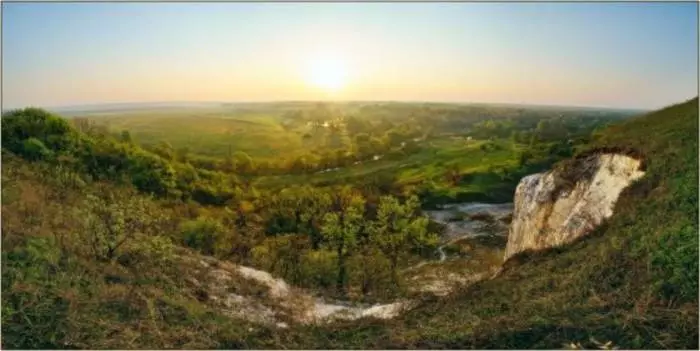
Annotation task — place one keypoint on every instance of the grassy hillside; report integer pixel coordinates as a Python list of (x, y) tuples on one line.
[(58, 293), (633, 282)]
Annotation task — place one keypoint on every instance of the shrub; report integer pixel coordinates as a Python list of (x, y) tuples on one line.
[(113, 219), (33, 149), (21, 125), (204, 234)]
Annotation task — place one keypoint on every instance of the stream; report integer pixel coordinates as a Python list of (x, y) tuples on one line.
[(470, 220)]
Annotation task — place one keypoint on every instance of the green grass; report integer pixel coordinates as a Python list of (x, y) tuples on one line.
[(634, 281), (428, 164), (56, 295), (210, 132)]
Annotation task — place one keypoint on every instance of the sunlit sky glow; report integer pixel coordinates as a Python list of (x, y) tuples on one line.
[(639, 55)]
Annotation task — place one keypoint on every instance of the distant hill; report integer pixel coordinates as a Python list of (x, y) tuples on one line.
[(112, 108), (127, 107)]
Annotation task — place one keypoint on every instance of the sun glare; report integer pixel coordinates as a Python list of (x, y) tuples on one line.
[(327, 73)]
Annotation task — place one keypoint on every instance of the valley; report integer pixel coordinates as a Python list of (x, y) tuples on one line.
[(278, 246), (349, 175)]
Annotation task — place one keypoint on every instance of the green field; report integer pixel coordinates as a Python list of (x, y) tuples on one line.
[(417, 144), (210, 133)]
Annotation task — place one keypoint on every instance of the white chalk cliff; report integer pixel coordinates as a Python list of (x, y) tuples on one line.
[(547, 214)]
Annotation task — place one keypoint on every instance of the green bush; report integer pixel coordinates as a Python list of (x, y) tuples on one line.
[(113, 219), (33, 149), (319, 269), (152, 174), (49, 129), (204, 234)]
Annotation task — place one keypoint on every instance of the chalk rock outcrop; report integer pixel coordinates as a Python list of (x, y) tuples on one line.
[(556, 207), (264, 299)]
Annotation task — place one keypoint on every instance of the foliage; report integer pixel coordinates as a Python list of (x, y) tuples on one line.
[(341, 230), (397, 230), (204, 234), (113, 219), (34, 149), (41, 127)]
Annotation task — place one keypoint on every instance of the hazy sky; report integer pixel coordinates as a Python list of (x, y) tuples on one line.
[(595, 54)]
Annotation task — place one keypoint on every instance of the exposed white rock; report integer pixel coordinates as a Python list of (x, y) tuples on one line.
[(542, 218), (278, 287), (326, 312), (385, 311), (247, 308), (309, 309)]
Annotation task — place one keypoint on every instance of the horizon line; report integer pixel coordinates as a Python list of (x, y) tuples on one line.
[(212, 102)]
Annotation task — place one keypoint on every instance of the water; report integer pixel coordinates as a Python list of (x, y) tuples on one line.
[(457, 219)]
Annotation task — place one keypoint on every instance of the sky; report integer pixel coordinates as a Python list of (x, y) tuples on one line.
[(627, 55)]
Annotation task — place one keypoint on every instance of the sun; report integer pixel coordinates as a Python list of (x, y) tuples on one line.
[(327, 73)]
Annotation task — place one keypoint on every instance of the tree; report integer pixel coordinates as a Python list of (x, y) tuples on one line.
[(113, 218), (523, 158), (340, 231), (242, 162), (356, 125), (550, 129), (378, 144), (165, 150), (394, 137), (186, 177), (244, 230), (335, 140), (183, 154), (398, 228), (125, 137), (316, 204)]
